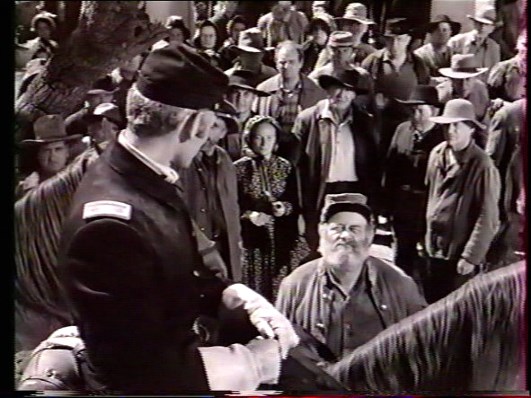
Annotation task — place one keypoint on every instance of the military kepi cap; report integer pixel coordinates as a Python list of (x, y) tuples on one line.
[(346, 202), (179, 76)]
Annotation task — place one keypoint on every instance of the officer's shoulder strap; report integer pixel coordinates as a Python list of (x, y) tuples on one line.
[(107, 208)]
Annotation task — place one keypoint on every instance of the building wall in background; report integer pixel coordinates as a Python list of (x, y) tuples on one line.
[(160, 10)]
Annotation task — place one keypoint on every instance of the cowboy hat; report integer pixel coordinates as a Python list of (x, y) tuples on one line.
[(104, 85), (47, 129), (109, 111), (251, 41), (457, 110), (455, 27), (462, 66), (341, 39), (356, 12), (485, 16), (242, 79), (351, 79), (422, 95), (397, 27)]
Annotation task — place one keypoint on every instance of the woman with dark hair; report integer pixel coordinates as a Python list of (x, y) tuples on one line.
[(228, 52), (178, 33), (268, 204), (206, 41), (317, 36)]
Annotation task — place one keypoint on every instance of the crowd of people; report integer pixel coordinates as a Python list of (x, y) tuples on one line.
[(262, 167)]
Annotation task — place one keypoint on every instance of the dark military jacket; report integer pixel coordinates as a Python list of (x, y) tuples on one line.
[(135, 279)]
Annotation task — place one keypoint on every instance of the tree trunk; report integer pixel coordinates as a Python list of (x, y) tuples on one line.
[(108, 33)]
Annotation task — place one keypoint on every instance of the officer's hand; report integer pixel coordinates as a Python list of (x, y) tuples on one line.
[(464, 267), (269, 322), (275, 325)]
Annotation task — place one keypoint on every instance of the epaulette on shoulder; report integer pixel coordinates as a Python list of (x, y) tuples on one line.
[(107, 208)]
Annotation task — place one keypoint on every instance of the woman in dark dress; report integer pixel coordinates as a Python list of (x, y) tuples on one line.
[(269, 210), (207, 42)]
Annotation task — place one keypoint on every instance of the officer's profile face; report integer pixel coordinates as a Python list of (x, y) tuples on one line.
[(345, 238)]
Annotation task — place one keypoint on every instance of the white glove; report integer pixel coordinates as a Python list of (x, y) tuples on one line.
[(259, 219), (242, 368), (269, 322)]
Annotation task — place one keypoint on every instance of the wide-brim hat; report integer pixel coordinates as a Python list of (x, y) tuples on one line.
[(109, 111), (422, 95), (179, 76), (397, 27), (351, 79), (340, 39), (251, 41), (462, 66), (458, 110), (485, 16), (455, 27), (47, 129), (242, 79), (346, 202), (104, 85), (356, 12)]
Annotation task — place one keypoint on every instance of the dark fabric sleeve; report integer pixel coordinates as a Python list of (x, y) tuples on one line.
[(114, 284)]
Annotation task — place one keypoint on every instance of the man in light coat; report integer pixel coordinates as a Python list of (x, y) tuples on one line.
[(462, 215)]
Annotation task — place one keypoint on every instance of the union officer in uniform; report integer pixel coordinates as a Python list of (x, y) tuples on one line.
[(129, 254)]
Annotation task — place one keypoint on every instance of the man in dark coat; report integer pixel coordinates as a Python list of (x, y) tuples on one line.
[(129, 255), (211, 193), (336, 148), (504, 147)]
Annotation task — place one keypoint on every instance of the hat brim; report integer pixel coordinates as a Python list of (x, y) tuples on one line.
[(341, 207), (327, 81), (448, 120), (99, 91), (481, 20), (332, 45), (259, 93), (249, 49), (418, 102), (449, 72), (364, 21), (27, 143)]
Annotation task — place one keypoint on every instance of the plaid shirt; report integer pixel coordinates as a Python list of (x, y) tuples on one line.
[(288, 106)]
